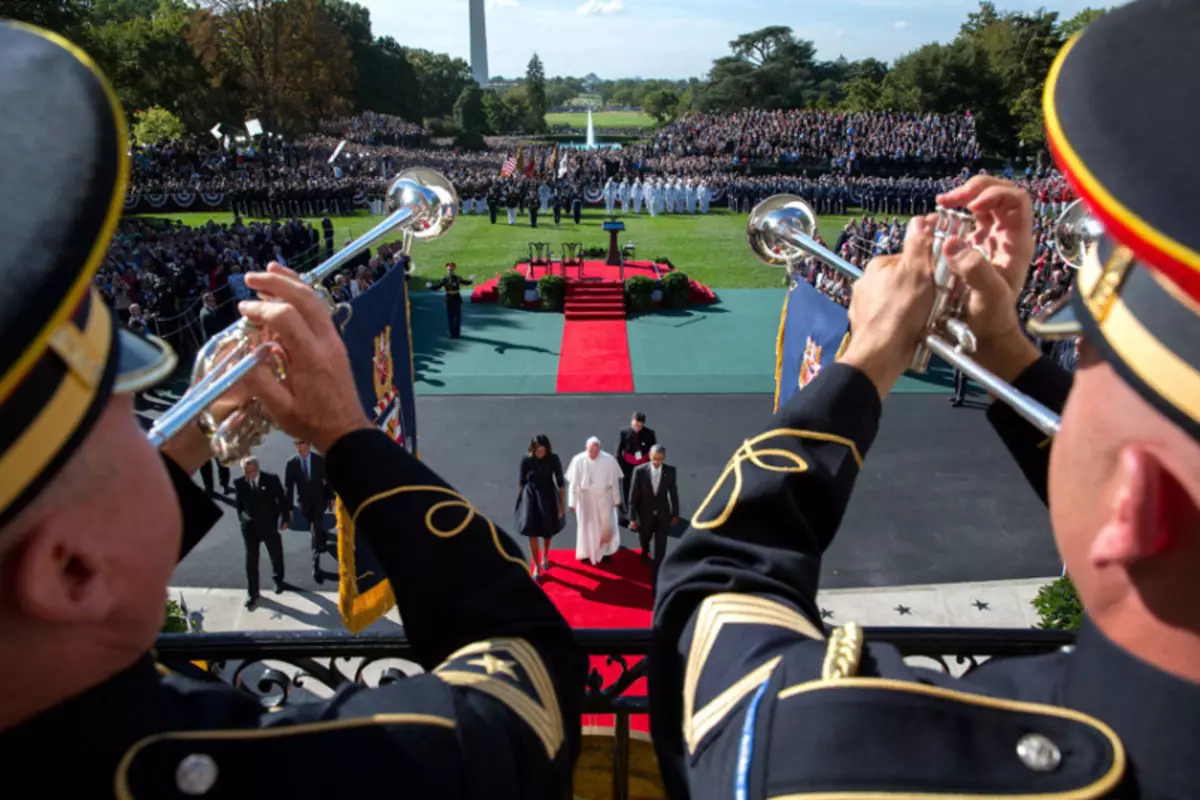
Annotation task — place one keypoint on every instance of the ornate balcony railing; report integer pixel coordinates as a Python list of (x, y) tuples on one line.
[(282, 667)]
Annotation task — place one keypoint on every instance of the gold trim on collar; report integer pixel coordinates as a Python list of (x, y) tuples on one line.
[(543, 715), (715, 613), (121, 780), (747, 452), (1096, 789), (1107, 288)]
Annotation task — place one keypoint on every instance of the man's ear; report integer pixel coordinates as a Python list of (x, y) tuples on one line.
[(1146, 506), (58, 577)]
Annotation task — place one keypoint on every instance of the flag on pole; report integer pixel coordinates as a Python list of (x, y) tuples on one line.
[(254, 127), (813, 330), (520, 167), (338, 151), (377, 338), (510, 166), (215, 130)]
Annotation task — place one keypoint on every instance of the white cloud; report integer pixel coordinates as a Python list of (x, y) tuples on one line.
[(502, 3), (596, 7), (899, 24)]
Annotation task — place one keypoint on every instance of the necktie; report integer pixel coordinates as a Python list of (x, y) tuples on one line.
[(306, 475)]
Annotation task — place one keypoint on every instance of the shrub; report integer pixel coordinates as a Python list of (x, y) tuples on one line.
[(1058, 605), (470, 140), (177, 619), (675, 288), (637, 294), (155, 124), (553, 289), (666, 261), (512, 289)]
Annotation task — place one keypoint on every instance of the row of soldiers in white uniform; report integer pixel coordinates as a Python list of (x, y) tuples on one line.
[(659, 195)]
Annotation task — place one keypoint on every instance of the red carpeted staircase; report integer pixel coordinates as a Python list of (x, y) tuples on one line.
[(595, 301)]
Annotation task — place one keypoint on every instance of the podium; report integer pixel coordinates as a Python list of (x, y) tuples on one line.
[(614, 227)]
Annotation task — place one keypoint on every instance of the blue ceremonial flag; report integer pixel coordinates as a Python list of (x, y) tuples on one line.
[(812, 332), (378, 339)]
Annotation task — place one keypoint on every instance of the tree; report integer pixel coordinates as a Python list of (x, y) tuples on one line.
[(155, 124), (441, 79), (142, 45), (535, 93), (504, 113), (769, 68), (1080, 21), (469, 113), (661, 104)]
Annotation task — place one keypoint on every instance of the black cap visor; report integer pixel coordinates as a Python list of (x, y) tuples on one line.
[(142, 362)]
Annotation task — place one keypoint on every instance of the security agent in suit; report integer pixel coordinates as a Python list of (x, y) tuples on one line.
[(654, 504), (749, 690), (452, 284), (308, 490), (261, 508), (85, 570)]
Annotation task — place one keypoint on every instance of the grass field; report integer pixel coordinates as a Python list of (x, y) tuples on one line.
[(709, 248), (602, 119)]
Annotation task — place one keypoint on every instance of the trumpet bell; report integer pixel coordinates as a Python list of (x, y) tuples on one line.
[(1075, 231), (773, 227), (432, 198)]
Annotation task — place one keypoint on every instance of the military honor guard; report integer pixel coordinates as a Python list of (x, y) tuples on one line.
[(452, 285), (753, 695), (93, 520)]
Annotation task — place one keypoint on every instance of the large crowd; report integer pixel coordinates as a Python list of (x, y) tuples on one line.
[(164, 272)]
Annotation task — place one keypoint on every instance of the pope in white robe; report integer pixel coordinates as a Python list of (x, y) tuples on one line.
[(594, 494)]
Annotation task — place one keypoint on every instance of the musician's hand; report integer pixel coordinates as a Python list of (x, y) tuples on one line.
[(317, 401), (889, 309), (1003, 224)]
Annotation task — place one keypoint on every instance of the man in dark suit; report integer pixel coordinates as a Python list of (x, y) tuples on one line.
[(305, 476), (633, 450), (654, 504), (261, 508)]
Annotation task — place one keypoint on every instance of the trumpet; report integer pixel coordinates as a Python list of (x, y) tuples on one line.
[(420, 203), (781, 232), (1075, 231)]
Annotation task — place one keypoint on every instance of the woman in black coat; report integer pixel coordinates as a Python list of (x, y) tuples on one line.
[(542, 504)]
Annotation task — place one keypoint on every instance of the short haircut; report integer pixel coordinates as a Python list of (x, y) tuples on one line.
[(248, 460), (640, 416), (658, 448)]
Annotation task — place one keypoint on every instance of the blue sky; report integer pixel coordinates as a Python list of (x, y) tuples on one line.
[(673, 38)]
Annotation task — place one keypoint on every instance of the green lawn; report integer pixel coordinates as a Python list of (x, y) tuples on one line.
[(602, 119), (710, 248)]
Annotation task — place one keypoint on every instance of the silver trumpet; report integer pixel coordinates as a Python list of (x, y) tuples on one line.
[(1075, 231), (421, 204), (781, 232)]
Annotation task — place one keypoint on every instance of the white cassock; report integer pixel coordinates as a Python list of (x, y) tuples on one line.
[(594, 491), (635, 194)]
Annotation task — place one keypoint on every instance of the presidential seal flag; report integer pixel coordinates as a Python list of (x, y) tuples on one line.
[(812, 331), (378, 340)]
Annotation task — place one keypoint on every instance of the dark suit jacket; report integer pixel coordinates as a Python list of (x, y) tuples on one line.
[(644, 503), (262, 509), (314, 491)]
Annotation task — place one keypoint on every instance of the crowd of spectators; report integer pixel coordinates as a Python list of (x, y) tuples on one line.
[(847, 142)]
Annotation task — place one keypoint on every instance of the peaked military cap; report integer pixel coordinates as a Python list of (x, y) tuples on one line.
[(1120, 122), (64, 168)]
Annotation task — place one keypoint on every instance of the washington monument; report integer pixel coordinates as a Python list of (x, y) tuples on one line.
[(479, 65)]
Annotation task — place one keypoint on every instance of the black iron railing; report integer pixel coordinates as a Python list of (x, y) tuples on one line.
[(282, 667)]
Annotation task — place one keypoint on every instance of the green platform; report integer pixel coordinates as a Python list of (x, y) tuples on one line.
[(725, 348), (501, 351)]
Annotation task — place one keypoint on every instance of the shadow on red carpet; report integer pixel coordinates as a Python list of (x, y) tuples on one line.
[(615, 594)]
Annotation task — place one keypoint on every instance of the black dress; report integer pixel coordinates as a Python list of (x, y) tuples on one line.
[(537, 505)]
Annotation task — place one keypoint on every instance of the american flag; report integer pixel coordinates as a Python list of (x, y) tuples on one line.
[(510, 166)]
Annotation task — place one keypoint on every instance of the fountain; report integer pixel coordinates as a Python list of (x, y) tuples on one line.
[(591, 132)]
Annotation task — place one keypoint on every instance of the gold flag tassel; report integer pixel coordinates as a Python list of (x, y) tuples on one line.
[(358, 610), (842, 347)]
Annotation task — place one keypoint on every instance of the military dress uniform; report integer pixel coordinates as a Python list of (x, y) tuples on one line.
[(452, 284), (495, 715), (752, 696)]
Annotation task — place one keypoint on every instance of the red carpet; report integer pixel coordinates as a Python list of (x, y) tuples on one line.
[(612, 595), (594, 357), (591, 271)]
